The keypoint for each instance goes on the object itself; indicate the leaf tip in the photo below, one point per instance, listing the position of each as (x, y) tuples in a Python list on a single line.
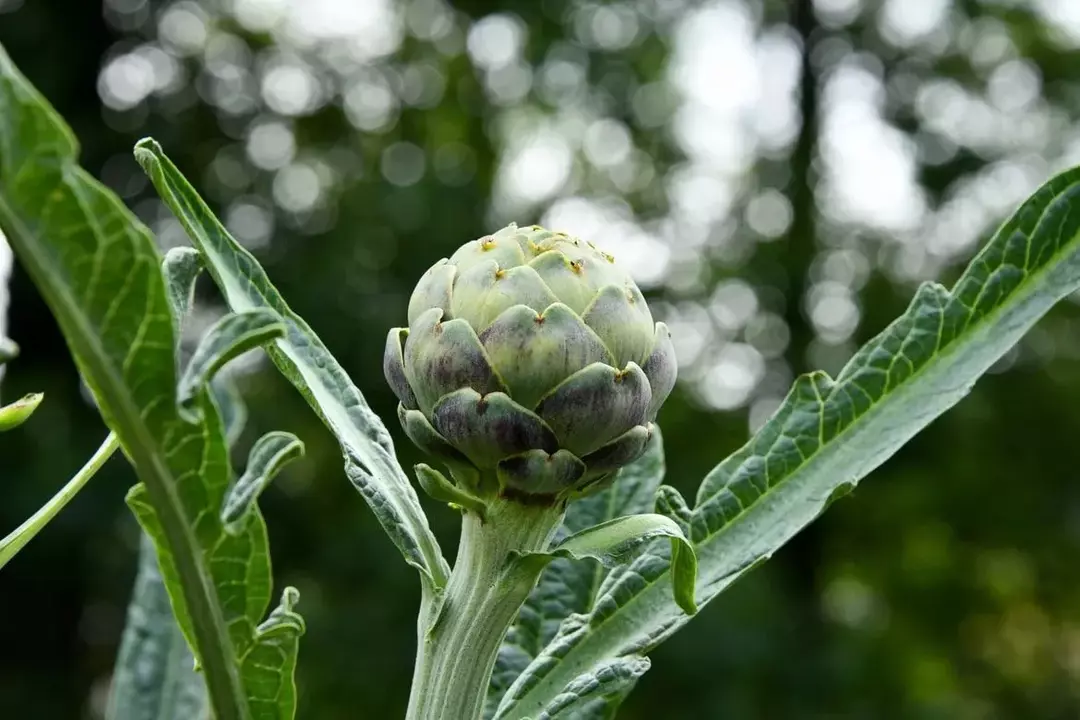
[(687, 604), (684, 575), (284, 620), (439, 488), (149, 145), (18, 412), (290, 596), (187, 405), (148, 154)]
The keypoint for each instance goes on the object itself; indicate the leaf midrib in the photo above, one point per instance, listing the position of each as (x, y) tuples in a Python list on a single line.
[(208, 623)]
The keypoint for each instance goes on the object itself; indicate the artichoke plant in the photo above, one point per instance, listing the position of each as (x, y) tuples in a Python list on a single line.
[(531, 365)]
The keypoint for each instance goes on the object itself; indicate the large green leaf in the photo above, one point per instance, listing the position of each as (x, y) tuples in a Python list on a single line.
[(828, 434), (303, 359), (236, 551), (567, 586), (155, 676), (98, 270)]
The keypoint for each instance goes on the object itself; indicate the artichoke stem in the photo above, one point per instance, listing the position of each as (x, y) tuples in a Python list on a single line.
[(459, 641)]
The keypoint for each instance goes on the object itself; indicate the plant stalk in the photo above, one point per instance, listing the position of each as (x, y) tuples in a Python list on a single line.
[(20, 536), (459, 637)]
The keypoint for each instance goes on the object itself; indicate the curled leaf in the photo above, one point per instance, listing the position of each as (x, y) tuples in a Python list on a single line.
[(230, 337), (615, 542), (670, 503), (271, 453), (271, 662), (439, 488), (181, 268)]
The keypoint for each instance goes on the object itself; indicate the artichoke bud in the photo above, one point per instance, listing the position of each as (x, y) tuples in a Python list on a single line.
[(531, 365)]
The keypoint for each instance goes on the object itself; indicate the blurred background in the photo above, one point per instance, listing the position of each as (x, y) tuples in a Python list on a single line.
[(780, 175)]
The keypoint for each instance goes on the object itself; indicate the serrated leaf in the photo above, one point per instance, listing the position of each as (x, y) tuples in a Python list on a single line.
[(271, 661), (98, 270), (830, 433), (567, 586), (155, 677), (369, 453), (239, 565), (268, 456), (228, 338)]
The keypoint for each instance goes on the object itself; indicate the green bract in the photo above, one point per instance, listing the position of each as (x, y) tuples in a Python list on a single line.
[(531, 364)]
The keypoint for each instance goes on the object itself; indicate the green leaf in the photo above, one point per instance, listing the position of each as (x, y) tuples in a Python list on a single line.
[(240, 567), (442, 490), (234, 412), (155, 677), (98, 270), (181, 266), (270, 663), (670, 503), (613, 543), (303, 359), (17, 539), (228, 338), (567, 586), (831, 433), (271, 453), (593, 694), (18, 412)]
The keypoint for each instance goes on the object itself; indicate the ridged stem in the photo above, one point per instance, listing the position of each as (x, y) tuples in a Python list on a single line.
[(489, 584)]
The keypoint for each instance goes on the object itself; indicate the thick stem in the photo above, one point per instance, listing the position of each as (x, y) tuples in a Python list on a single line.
[(459, 645)]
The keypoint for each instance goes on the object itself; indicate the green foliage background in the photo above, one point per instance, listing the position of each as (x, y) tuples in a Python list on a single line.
[(944, 587)]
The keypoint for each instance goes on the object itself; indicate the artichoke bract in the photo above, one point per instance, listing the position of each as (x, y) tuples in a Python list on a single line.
[(531, 365)]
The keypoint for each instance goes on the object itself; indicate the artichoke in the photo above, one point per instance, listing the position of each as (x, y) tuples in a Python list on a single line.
[(531, 365)]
